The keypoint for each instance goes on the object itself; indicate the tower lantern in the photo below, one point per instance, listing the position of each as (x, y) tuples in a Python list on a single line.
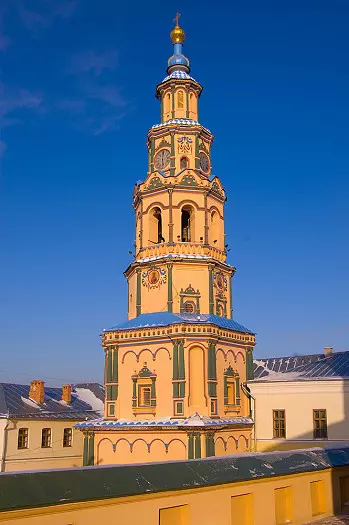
[(186, 401)]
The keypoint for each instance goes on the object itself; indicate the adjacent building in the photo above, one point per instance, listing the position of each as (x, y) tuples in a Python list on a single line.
[(37, 424), (174, 371), (301, 401)]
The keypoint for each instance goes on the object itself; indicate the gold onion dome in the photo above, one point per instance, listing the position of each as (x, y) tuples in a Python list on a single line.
[(177, 35)]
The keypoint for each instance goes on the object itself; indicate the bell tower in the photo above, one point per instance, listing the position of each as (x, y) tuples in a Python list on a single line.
[(180, 252), (175, 369)]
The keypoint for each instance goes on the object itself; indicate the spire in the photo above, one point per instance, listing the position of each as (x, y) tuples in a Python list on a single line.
[(177, 62)]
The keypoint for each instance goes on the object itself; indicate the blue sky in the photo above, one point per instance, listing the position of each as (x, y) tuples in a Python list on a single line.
[(77, 83)]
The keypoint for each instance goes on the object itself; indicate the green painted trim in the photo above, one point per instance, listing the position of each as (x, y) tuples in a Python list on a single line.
[(153, 392), (109, 366), (237, 391), (197, 159), (187, 96), (162, 108), (197, 445), (85, 456), (211, 369), (209, 362), (138, 303), (134, 393), (91, 450), (225, 390), (115, 365), (181, 392), (210, 448), (175, 370), (190, 446), (181, 370), (152, 153), (210, 280), (175, 360), (173, 101), (172, 165), (169, 289), (249, 363)]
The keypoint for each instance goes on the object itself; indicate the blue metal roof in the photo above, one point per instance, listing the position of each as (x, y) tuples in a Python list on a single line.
[(15, 402), (318, 366), (166, 319), (263, 367)]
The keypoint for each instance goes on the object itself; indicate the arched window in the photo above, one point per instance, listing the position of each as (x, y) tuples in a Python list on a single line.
[(231, 388), (184, 163), (180, 100), (187, 224), (215, 228), (167, 103), (189, 307), (220, 310), (193, 104), (155, 226)]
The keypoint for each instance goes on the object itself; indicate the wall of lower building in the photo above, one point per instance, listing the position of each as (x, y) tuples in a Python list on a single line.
[(295, 498), (35, 457), (113, 448), (299, 399)]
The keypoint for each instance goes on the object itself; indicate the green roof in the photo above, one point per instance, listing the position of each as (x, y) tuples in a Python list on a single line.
[(20, 490)]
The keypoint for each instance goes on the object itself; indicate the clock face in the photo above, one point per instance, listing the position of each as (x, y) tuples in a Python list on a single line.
[(162, 159), (204, 162)]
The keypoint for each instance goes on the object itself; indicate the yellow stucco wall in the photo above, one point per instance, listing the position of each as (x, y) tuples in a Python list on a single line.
[(37, 458), (299, 399), (258, 502)]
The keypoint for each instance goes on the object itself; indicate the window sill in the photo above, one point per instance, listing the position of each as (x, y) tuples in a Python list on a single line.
[(144, 410)]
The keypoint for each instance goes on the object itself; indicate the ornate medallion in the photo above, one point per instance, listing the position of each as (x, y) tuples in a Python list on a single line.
[(154, 277), (220, 281), (185, 144)]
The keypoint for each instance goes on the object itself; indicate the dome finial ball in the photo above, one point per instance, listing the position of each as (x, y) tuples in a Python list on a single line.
[(177, 34)]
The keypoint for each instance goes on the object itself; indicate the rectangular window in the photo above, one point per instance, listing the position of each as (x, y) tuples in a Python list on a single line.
[(144, 396), (279, 424), (214, 409), (67, 437), (46, 438), (178, 408), (231, 392), (318, 497), (242, 510), (283, 505), (111, 409), (320, 424), (23, 438)]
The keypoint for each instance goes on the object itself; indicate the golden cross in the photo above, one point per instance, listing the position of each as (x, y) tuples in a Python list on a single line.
[(176, 18)]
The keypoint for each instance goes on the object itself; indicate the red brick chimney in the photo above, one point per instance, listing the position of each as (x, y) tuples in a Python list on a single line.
[(66, 393), (37, 391)]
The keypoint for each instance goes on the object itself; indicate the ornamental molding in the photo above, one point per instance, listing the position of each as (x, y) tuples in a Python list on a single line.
[(154, 277)]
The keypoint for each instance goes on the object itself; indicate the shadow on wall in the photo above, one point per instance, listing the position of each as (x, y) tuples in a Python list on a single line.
[(331, 403)]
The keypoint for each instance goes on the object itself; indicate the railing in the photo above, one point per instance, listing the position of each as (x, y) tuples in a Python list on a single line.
[(182, 248)]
